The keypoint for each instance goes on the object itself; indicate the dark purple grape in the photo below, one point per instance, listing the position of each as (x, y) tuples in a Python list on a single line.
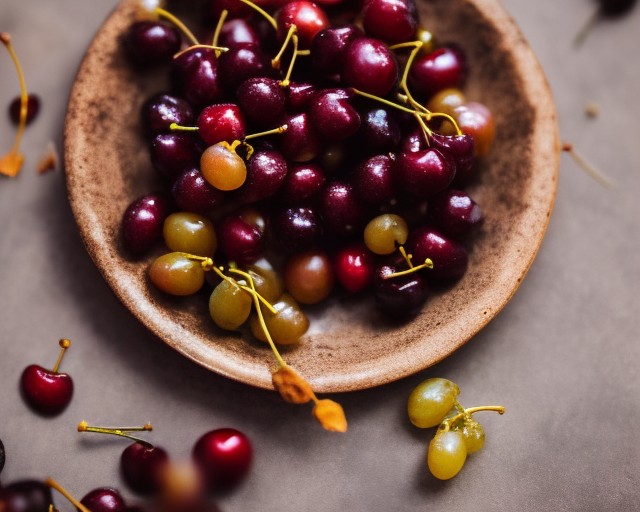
[(262, 100), (393, 21), (449, 258), (332, 115), (196, 76), (342, 212), (150, 43), (303, 183), (421, 174), (297, 229), (328, 47), (373, 180), (379, 131), (192, 193), (241, 62), (104, 499), (460, 150), (172, 153), (454, 213), (25, 496), (142, 223), (266, 172), (142, 466), (159, 111), (370, 66), (33, 108), (399, 298)]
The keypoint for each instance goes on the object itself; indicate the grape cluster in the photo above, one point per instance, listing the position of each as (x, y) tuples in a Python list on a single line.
[(434, 402)]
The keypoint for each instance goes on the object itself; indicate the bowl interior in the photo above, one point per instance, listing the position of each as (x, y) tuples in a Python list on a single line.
[(348, 347)]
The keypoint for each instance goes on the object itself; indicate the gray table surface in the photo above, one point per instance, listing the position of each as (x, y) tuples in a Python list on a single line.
[(563, 356)]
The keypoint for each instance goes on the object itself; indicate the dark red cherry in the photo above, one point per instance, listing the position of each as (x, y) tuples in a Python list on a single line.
[(237, 31), (379, 131), (2, 456), (234, 8), (150, 43), (454, 213), (159, 111), (297, 229), (368, 65), (615, 7), (142, 223), (449, 257), (299, 143), (221, 122), (142, 466), (241, 62), (373, 180), (262, 100), (413, 141), (440, 69), (308, 18), (192, 193), (25, 496), (224, 457), (300, 94), (196, 76), (460, 150), (104, 499), (302, 183), (328, 47), (399, 298), (421, 174), (342, 212), (332, 115), (172, 153), (240, 241), (393, 21), (266, 172), (33, 107), (354, 267), (47, 391)]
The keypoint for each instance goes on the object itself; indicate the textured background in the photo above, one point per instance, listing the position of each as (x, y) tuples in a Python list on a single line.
[(563, 356)]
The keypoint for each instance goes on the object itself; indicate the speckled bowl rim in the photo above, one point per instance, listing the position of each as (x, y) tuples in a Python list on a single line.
[(544, 163)]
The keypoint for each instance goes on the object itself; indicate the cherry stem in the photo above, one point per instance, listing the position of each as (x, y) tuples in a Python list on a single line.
[(24, 98), (219, 272), (386, 102), (586, 28), (264, 13), (587, 166), (64, 345), (216, 34), (296, 52), (179, 128), (206, 262), (166, 14), (50, 482), (466, 413), (417, 46), (275, 62), (261, 317), (407, 257), (427, 264), (121, 431), (426, 131), (218, 49), (275, 131)]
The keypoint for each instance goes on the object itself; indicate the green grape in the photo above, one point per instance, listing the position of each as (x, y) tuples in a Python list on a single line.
[(286, 327), (447, 454), (385, 231), (190, 233), (473, 434), (229, 305), (430, 402), (176, 274), (267, 281)]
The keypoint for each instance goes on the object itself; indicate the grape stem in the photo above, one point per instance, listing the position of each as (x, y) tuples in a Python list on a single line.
[(466, 413)]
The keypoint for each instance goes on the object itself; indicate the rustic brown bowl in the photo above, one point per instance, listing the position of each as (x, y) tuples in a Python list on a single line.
[(348, 347)]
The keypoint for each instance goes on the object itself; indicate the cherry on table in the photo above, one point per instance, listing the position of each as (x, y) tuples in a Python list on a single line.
[(104, 499), (141, 465), (224, 456), (47, 391), (33, 108), (25, 496), (2, 456)]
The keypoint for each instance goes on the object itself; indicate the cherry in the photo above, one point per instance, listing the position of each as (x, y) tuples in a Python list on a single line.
[(2, 456), (141, 465), (196, 76), (332, 116), (373, 180), (308, 276), (104, 499), (368, 65), (222, 122), (343, 214), (150, 43), (423, 173), (401, 297), (299, 143), (240, 241), (234, 8), (159, 111), (172, 153), (25, 496), (455, 213), (302, 183), (224, 457), (449, 258), (379, 131), (237, 31), (615, 7), (297, 229), (328, 47), (262, 100), (308, 18), (47, 391), (300, 94), (475, 119), (241, 62), (460, 150), (393, 21), (33, 108), (142, 223), (354, 267), (440, 69), (266, 172)]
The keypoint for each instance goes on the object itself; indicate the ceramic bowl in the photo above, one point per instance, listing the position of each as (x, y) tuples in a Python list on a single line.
[(348, 347)]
